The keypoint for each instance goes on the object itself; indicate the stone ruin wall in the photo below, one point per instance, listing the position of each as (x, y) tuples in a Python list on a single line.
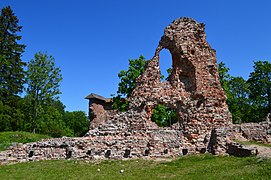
[(259, 132), (100, 110), (193, 91)]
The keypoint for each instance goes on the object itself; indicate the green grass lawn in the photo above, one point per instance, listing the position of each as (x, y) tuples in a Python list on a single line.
[(187, 167), (6, 138)]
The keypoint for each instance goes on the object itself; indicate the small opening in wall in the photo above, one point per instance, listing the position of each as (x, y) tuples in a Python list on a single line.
[(185, 151), (68, 154), (202, 150), (63, 146), (107, 153), (31, 153), (164, 116), (126, 153), (89, 152), (147, 152), (193, 51)]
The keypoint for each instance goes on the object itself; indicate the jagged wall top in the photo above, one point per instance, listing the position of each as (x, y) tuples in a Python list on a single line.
[(183, 31)]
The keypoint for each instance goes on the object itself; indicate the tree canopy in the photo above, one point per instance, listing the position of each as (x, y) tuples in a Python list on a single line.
[(248, 100), (260, 84), (43, 81), (128, 82)]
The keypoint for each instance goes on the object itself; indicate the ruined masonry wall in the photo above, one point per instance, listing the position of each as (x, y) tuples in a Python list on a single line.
[(193, 91), (101, 146), (260, 132)]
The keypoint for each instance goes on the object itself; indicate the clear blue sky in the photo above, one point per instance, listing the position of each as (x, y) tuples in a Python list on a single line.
[(92, 40)]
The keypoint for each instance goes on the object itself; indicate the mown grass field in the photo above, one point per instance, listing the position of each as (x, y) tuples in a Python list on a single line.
[(7, 138), (187, 167)]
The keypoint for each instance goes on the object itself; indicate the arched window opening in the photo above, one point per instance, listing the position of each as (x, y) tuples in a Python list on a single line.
[(165, 64)]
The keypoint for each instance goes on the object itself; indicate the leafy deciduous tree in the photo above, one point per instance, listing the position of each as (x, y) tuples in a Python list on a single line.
[(128, 82), (260, 89), (224, 76), (236, 89), (77, 121), (128, 78), (248, 101), (239, 104), (43, 81), (260, 84)]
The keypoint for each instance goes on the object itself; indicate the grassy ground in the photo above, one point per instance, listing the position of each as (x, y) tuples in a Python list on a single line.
[(187, 167), (6, 138)]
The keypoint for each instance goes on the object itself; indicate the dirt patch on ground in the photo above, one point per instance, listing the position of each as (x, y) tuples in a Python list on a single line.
[(262, 150)]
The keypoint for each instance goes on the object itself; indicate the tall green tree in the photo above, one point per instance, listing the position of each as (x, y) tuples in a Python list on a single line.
[(248, 101), (236, 89), (43, 82), (260, 88), (128, 78), (50, 122), (260, 83), (238, 101), (128, 82), (11, 65), (11, 71), (225, 77)]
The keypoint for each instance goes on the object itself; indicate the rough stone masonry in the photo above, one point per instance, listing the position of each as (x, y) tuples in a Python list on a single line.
[(193, 91)]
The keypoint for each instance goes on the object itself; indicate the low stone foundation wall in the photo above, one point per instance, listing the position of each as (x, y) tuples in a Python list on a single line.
[(138, 144), (151, 143), (260, 132)]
